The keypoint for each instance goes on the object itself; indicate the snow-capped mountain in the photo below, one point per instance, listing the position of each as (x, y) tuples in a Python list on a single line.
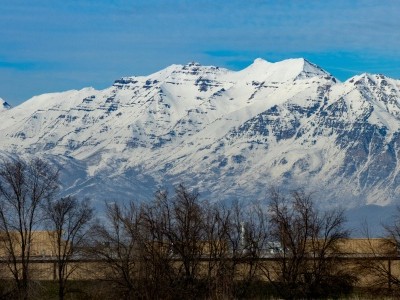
[(229, 134)]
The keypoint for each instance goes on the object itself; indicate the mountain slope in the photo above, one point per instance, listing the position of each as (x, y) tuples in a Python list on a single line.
[(230, 134)]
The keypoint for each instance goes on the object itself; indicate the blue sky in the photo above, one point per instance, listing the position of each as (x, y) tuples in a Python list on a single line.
[(51, 45)]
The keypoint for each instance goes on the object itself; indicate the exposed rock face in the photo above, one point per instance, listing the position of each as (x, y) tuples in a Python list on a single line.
[(230, 134), (4, 105)]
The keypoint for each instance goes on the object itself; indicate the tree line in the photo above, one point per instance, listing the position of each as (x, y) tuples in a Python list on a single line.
[(174, 246)]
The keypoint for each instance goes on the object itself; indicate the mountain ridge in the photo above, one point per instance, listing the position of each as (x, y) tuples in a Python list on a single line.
[(229, 134)]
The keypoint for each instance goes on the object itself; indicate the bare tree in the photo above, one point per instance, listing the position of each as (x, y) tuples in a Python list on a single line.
[(248, 237), (219, 268), (392, 246), (158, 272), (381, 253), (174, 240), (115, 241), (185, 233), (192, 248), (154, 250), (255, 241), (307, 264), (24, 186), (68, 220), (184, 246)]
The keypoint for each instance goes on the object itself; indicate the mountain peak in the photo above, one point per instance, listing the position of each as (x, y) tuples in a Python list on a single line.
[(192, 64), (194, 68), (261, 61), (303, 67), (307, 66), (284, 71), (370, 79)]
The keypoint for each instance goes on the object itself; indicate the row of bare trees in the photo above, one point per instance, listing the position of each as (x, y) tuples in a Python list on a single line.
[(181, 247), (28, 203), (174, 246)]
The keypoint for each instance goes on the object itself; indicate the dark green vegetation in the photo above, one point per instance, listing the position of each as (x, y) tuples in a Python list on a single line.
[(173, 246)]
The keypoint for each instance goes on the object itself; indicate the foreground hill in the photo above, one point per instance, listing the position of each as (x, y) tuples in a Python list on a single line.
[(230, 134)]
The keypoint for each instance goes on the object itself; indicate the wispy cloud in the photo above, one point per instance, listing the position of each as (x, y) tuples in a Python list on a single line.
[(111, 37), (20, 66)]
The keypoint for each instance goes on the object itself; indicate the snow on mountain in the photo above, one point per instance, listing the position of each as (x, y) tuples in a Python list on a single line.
[(283, 71), (230, 134)]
